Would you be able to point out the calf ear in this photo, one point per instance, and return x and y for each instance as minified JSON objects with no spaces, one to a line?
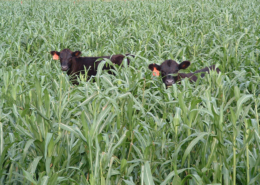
{"x":76,"y":53}
{"x":155,"y":68}
{"x":55,"y":55}
{"x":184,"y":64}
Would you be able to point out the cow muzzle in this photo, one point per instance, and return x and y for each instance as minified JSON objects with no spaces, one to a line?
{"x":169,"y":82}
{"x":64,"y":68}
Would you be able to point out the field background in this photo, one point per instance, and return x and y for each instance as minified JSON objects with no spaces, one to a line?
{"x":129,"y":129}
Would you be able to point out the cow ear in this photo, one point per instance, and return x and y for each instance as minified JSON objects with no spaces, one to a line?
{"x":152,"y":66}
{"x":155,"y":68}
{"x":55,"y":55}
{"x":184,"y":64}
{"x":76,"y":53}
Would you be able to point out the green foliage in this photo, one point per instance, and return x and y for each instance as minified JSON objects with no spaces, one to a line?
{"x":128,"y":128}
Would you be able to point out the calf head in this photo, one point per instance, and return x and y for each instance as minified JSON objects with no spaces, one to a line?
{"x":169,"y":71}
{"x":65,"y":57}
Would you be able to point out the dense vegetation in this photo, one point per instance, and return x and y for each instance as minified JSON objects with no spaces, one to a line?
{"x":129,"y":129}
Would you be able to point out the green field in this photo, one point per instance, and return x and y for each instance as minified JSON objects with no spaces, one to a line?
{"x":128,"y":128}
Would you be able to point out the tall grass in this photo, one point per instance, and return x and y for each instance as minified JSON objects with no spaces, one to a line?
{"x":128,"y":128}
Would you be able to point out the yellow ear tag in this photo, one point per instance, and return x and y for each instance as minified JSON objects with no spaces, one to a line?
{"x":156,"y":72}
{"x":55,"y":57}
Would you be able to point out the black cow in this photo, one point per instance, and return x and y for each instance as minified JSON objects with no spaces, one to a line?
{"x":169,"y":71}
{"x":74,"y":64}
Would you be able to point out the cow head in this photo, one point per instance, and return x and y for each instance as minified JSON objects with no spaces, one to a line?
{"x":169,"y":71}
{"x":65,"y":57}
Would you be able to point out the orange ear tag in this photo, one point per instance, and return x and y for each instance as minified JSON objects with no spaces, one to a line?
{"x":156,"y":72}
{"x":55,"y":57}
